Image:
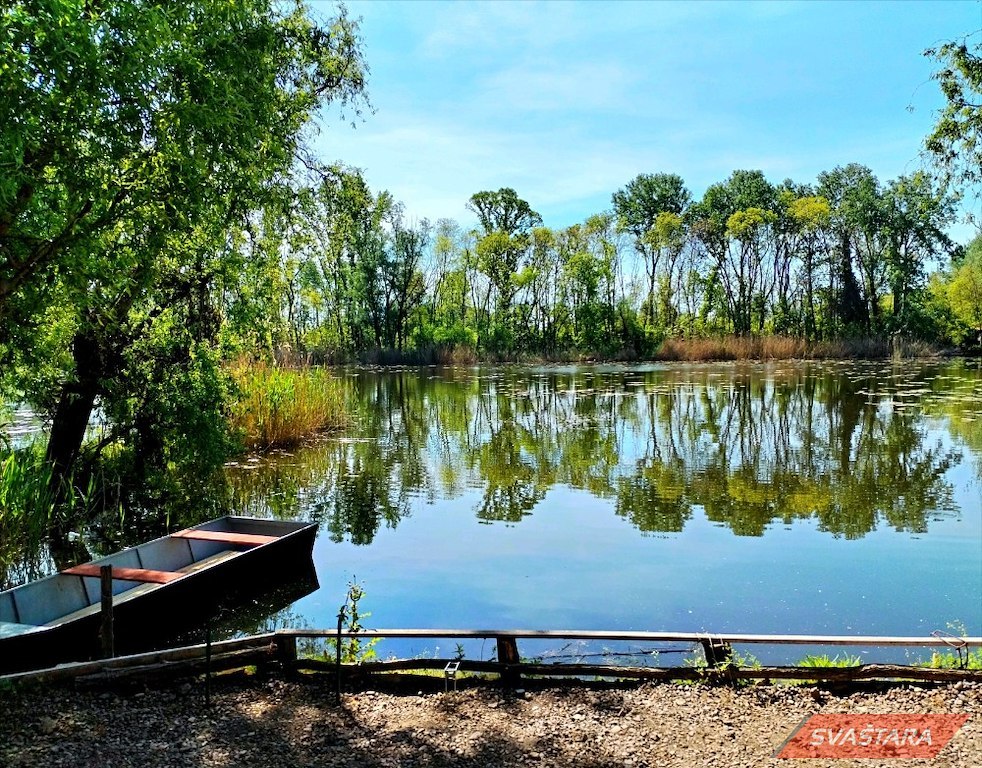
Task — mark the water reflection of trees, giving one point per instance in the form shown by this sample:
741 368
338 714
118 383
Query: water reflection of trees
751 446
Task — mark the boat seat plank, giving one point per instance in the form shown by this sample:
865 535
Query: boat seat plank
125 574
249 539
142 589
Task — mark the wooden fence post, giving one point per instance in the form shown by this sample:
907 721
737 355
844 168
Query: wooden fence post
507 657
719 658
286 651
106 631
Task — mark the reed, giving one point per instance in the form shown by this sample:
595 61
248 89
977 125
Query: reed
28 503
436 354
734 348
26 496
280 407
789 348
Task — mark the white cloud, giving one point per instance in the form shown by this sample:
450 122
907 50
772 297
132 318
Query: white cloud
470 26
550 86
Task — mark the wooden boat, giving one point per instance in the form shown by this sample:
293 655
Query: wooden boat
160 588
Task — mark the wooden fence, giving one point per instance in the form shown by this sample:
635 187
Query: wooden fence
281 647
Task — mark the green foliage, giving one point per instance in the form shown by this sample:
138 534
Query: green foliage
503 211
824 661
353 650
955 143
639 204
154 225
32 502
965 295
357 281
711 673
26 499
135 140
952 660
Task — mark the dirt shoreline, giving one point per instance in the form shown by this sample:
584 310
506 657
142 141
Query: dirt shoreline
268 723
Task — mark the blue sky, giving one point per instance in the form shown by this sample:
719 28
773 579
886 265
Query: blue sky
567 102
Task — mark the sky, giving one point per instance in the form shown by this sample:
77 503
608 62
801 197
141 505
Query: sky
566 102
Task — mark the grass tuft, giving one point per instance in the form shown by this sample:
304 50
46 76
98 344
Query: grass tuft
951 660
825 661
283 406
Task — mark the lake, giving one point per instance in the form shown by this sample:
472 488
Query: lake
786 497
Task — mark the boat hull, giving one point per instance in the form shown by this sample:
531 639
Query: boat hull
162 612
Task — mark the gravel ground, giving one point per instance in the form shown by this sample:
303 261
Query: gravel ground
271 722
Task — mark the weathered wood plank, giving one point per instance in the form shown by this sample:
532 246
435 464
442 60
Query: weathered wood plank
249 539
80 668
124 574
183 667
284 642
825 674
637 636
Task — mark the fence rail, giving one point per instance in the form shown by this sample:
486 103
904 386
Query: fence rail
614 635
281 647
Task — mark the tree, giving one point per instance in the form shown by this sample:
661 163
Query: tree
734 224
503 211
449 310
809 218
915 214
965 291
638 207
849 190
403 276
134 137
507 222
647 195
955 143
752 232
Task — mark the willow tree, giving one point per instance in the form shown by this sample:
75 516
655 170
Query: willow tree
955 143
135 135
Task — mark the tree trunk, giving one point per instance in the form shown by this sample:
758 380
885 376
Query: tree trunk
852 308
74 410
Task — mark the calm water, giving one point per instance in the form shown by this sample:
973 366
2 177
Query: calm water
841 498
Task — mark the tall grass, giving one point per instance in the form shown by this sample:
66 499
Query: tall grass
788 348
32 504
282 406
27 496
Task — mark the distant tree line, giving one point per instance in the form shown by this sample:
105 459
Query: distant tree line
338 270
